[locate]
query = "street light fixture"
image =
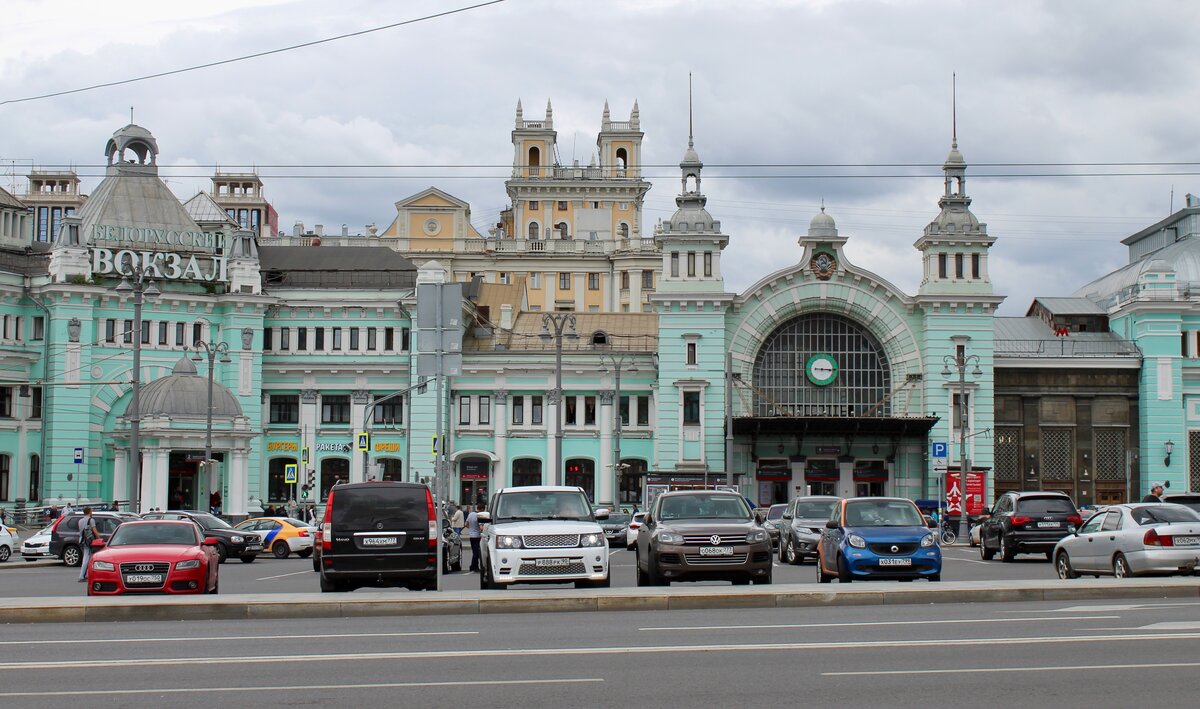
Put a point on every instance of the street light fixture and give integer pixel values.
(618, 362)
(960, 363)
(136, 283)
(560, 321)
(210, 351)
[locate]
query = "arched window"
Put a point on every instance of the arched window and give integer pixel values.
(526, 471)
(390, 469)
(581, 472)
(535, 161)
(533, 231)
(691, 184)
(333, 470)
(561, 228)
(599, 337)
(277, 489)
(623, 230)
(631, 481)
(35, 478)
(622, 159)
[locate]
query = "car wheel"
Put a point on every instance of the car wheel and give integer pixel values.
(328, 585)
(280, 550)
(984, 553)
(316, 566)
(304, 553)
(653, 578)
(1007, 553)
(1063, 566)
(5, 552)
(247, 559)
(843, 570)
(762, 580)
(72, 555)
(822, 577)
(1121, 568)
(222, 553)
(789, 553)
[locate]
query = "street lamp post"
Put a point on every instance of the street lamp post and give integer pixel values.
(211, 351)
(559, 321)
(136, 283)
(960, 363)
(617, 362)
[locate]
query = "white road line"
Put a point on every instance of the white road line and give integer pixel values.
(971, 621)
(508, 653)
(300, 687)
(989, 670)
(1108, 608)
(243, 638)
(294, 573)
(969, 561)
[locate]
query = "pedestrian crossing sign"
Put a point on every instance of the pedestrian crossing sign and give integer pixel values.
(290, 474)
(364, 442)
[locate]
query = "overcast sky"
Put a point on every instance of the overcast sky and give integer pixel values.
(776, 83)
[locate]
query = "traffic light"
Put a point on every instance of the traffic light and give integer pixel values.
(304, 492)
(312, 478)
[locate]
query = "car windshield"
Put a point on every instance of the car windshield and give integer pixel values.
(562, 504)
(1191, 501)
(815, 510)
(1045, 506)
(883, 513)
(295, 522)
(708, 506)
(1159, 513)
(128, 534)
(776, 511)
(617, 520)
(210, 522)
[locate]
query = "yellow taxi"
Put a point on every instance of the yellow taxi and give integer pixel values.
(281, 536)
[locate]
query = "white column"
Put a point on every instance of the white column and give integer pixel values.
(157, 471)
(358, 409)
(499, 478)
(308, 426)
(607, 471)
(579, 280)
(635, 291)
(236, 500)
(549, 475)
(121, 474)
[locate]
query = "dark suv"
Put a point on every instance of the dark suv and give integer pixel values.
(64, 534)
(378, 534)
(1027, 523)
(233, 542)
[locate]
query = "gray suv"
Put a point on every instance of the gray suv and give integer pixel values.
(801, 527)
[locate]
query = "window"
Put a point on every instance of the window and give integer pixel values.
(589, 411)
(127, 332)
(302, 339)
(535, 411)
(518, 410)
(485, 410)
(643, 411)
(285, 339)
(533, 204)
(593, 281)
(268, 339)
(319, 339)
(162, 333)
(6, 402)
(708, 263)
(647, 279)
(179, 328)
(533, 231)
(145, 332)
(464, 410)
(624, 280)
(623, 228)
(389, 338)
(623, 410)
(942, 265)
(337, 338)
(974, 265)
(35, 402)
(562, 206)
(372, 338)
(354, 338)
(335, 408)
(197, 332)
(691, 354)
(4, 473)
(958, 265)
(285, 408)
(390, 412)
(535, 280)
(691, 263)
(564, 281)
(35, 477)
(570, 411)
(691, 408)
(405, 333)
(561, 228)
(505, 279)
(39, 328)
(674, 264)
(595, 205)
(110, 330)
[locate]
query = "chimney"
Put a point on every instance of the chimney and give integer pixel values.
(319, 229)
(506, 317)
(298, 230)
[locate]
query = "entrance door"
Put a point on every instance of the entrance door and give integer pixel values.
(182, 482)
(473, 474)
(473, 492)
(1107, 495)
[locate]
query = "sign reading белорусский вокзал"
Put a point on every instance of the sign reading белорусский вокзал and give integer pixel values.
(168, 253)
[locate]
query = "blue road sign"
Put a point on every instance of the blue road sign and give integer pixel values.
(938, 449)
(78, 456)
(290, 474)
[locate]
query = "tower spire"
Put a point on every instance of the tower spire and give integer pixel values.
(953, 109)
(690, 144)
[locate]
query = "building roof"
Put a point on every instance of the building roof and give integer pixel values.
(134, 200)
(8, 200)
(184, 394)
(1068, 306)
(374, 266)
(600, 332)
(204, 210)
(1183, 257)
(1031, 337)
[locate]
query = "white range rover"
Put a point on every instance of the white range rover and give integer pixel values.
(543, 534)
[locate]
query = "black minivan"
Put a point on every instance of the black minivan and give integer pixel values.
(379, 534)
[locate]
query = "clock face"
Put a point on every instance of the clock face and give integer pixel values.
(821, 369)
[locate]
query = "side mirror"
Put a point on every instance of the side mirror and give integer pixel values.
(211, 542)
(484, 516)
(787, 517)
(831, 525)
(97, 544)
(601, 513)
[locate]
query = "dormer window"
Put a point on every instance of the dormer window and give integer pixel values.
(599, 337)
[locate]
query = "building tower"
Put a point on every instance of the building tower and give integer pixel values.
(53, 194)
(240, 194)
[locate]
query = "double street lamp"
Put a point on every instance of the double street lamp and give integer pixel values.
(959, 363)
(210, 351)
(617, 362)
(560, 322)
(136, 282)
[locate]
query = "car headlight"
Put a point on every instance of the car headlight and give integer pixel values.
(670, 538)
(508, 541)
(594, 539)
(191, 564)
(927, 540)
(857, 541)
(237, 540)
(103, 566)
(756, 535)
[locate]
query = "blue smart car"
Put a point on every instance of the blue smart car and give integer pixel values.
(877, 538)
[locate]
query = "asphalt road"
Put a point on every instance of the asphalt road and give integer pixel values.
(1136, 653)
(270, 575)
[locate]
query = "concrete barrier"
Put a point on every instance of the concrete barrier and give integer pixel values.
(366, 604)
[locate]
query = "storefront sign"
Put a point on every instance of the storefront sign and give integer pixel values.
(474, 469)
(829, 450)
(169, 254)
(334, 447)
(387, 447)
(974, 492)
(276, 446)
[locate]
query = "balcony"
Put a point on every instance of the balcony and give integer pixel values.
(558, 172)
(554, 247)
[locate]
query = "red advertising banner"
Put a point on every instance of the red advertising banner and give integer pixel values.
(975, 490)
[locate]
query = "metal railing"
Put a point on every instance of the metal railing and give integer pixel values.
(533, 343)
(1065, 347)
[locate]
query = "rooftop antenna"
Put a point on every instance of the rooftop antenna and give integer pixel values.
(131, 115)
(690, 110)
(953, 110)
(1172, 210)
(574, 138)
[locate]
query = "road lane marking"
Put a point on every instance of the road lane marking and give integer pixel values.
(969, 561)
(1109, 608)
(301, 687)
(971, 621)
(294, 573)
(989, 670)
(508, 653)
(226, 638)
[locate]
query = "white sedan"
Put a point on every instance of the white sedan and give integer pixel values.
(631, 532)
(8, 542)
(1132, 539)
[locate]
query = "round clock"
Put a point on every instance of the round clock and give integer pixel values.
(821, 369)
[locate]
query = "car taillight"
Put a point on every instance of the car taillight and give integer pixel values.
(1018, 520)
(1075, 520)
(326, 525)
(1152, 539)
(433, 521)
(304, 532)
(634, 525)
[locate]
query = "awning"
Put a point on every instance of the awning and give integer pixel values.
(834, 425)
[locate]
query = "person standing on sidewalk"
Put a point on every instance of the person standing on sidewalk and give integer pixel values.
(457, 520)
(87, 534)
(473, 532)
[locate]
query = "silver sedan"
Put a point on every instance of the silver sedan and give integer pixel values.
(1132, 539)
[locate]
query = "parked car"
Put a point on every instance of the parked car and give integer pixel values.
(232, 542)
(1130, 540)
(615, 529)
(64, 533)
(380, 533)
(1027, 523)
(801, 527)
(543, 534)
(631, 531)
(281, 536)
(877, 538)
(1187, 499)
(8, 542)
(154, 557)
(37, 545)
(771, 523)
(692, 535)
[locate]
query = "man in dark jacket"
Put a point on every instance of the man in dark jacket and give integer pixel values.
(1156, 491)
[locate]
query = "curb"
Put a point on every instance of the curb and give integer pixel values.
(373, 604)
(16, 562)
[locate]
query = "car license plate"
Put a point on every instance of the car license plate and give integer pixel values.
(1049, 524)
(716, 551)
(144, 578)
(1187, 541)
(551, 562)
(378, 541)
(896, 562)
(254, 547)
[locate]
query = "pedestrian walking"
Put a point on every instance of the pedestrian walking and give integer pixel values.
(458, 520)
(473, 532)
(291, 507)
(87, 534)
(1156, 491)
(214, 502)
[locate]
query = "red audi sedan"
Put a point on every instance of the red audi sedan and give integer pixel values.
(154, 557)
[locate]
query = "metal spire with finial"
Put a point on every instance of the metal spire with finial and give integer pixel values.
(690, 144)
(953, 109)
(131, 115)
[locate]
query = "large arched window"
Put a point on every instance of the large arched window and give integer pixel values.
(622, 160)
(277, 489)
(526, 471)
(535, 161)
(533, 231)
(333, 470)
(851, 379)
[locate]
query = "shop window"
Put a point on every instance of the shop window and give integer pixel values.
(391, 469)
(581, 472)
(526, 471)
(334, 471)
(277, 489)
